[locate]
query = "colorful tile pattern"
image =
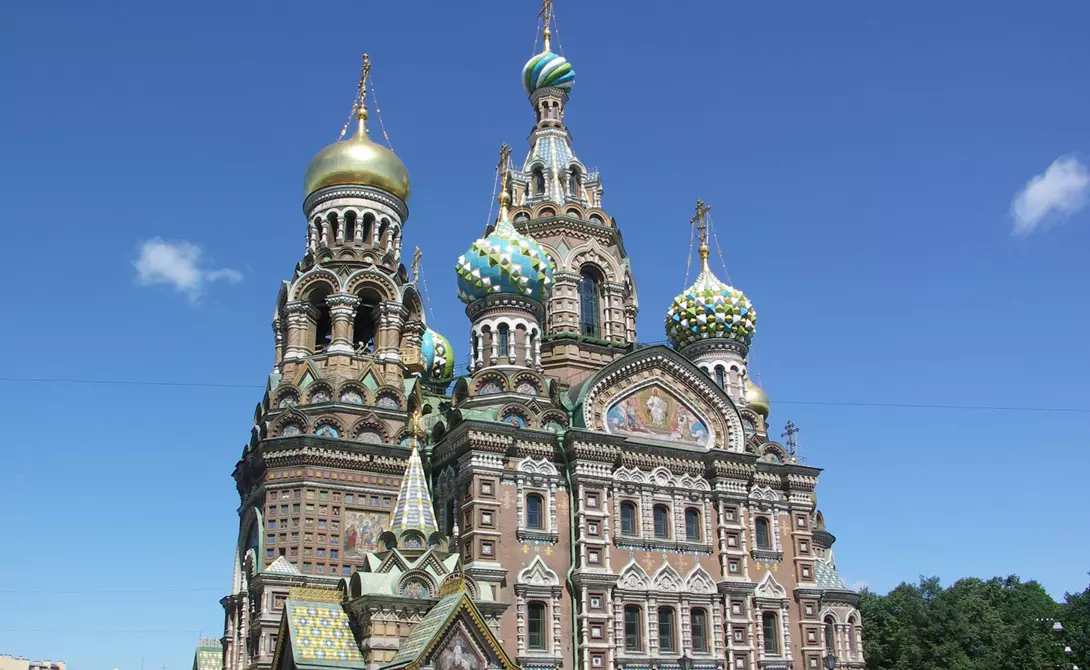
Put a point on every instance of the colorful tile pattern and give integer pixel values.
(209, 655)
(547, 69)
(438, 356)
(709, 308)
(504, 262)
(413, 508)
(321, 635)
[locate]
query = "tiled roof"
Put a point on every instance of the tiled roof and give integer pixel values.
(828, 578)
(421, 635)
(281, 566)
(413, 508)
(321, 636)
(209, 655)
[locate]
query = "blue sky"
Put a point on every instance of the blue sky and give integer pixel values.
(864, 163)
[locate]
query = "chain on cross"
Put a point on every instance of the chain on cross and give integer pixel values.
(417, 255)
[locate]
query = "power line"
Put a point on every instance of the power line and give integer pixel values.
(826, 403)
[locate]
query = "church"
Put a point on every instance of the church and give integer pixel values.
(564, 497)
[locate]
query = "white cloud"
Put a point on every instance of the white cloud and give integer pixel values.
(177, 263)
(1059, 192)
(860, 585)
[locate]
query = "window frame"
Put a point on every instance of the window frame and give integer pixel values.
(590, 303)
(542, 608)
(770, 618)
(667, 621)
(635, 532)
(703, 647)
(540, 500)
(767, 535)
(633, 640)
(698, 525)
(665, 511)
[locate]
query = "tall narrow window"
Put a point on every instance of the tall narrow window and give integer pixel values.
(692, 525)
(830, 635)
(349, 227)
(699, 620)
(633, 628)
(505, 339)
(539, 181)
(720, 378)
(764, 538)
(770, 627)
(667, 642)
(536, 626)
(588, 303)
(450, 517)
(662, 522)
(534, 519)
(628, 518)
(851, 635)
(573, 183)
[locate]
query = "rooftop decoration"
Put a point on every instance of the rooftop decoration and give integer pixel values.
(546, 68)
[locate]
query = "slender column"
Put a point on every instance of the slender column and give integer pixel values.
(302, 318)
(388, 338)
(342, 312)
(326, 236)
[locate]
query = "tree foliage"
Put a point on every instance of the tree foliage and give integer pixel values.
(998, 624)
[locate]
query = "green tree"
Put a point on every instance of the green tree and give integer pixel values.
(1075, 617)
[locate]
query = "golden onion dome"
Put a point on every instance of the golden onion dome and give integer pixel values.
(357, 161)
(757, 399)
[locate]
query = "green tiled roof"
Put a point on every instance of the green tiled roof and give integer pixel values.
(321, 636)
(414, 646)
(209, 655)
(828, 578)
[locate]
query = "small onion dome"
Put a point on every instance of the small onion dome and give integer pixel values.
(504, 262)
(757, 399)
(357, 161)
(707, 309)
(438, 356)
(547, 69)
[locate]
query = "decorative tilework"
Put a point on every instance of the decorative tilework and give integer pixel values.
(709, 308)
(321, 635)
(547, 69)
(504, 262)
(438, 355)
(414, 500)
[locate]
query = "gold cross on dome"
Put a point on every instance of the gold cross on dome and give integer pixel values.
(366, 71)
(699, 220)
(417, 255)
(546, 9)
(505, 159)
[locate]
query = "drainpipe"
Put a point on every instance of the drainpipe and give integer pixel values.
(571, 543)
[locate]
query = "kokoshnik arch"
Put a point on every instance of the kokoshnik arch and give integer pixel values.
(570, 499)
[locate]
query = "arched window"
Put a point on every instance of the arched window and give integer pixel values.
(504, 339)
(692, 524)
(368, 227)
(662, 521)
(589, 289)
(573, 183)
(535, 626)
(534, 517)
(764, 538)
(363, 327)
(633, 628)
(450, 517)
(349, 227)
(771, 627)
(628, 518)
(720, 377)
(667, 638)
(699, 620)
(539, 181)
(323, 332)
(851, 634)
(830, 635)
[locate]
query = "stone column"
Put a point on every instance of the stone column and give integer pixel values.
(412, 342)
(388, 334)
(278, 336)
(342, 313)
(302, 320)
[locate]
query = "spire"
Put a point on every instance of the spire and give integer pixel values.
(546, 13)
(503, 223)
(702, 227)
(414, 510)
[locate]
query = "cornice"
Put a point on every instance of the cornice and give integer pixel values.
(362, 192)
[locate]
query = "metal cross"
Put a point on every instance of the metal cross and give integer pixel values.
(790, 433)
(546, 9)
(363, 78)
(699, 220)
(505, 158)
(417, 255)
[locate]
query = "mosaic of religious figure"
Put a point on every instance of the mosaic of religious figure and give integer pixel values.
(654, 413)
(458, 655)
(362, 530)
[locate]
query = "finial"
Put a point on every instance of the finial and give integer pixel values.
(547, 14)
(417, 426)
(505, 197)
(361, 107)
(417, 255)
(790, 436)
(702, 227)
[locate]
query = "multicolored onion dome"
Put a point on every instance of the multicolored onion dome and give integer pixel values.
(708, 309)
(438, 356)
(547, 69)
(504, 262)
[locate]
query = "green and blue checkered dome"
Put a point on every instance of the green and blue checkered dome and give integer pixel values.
(547, 69)
(505, 262)
(710, 309)
(438, 356)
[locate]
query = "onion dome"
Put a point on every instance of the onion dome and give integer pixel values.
(357, 161)
(438, 356)
(547, 69)
(709, 309)
(505, 262)
(757, 399)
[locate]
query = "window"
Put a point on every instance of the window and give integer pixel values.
(633, 628)
(536, 626)
(720, 381)
(573, 183)
(534, 518)
(662, 521)
(699, 619)
(851, 635)
(692, 525)
(830, 635)
(504, 339)
(666, 630)
(770, 627)
(628, 518)
(764, 538)
(539, 181)
(588, 304)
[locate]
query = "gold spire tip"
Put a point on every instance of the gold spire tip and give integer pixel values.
(701, 223)
(546, 13)
(502, 165)
(361, 106)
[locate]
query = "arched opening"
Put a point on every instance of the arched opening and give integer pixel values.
(364, 325)
(535, 625)
(699, 624)
(662, 521)
(534, 517)
(830, 635)
(539, 181)
(323, 331)
(633, 628)
(335, 230)
(764, 537)
(589, 292)
(720, 377)
(771, 628)
(851, 635)
(350, 227)
(628, 518)
(504, 340)
(368, 228)
(692, 524)
(573, 183)
(450, 517)
(384, 234)
(667, 637)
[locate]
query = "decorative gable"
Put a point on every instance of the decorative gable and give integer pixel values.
(770, 589)
(538, 574)
(633, 578)
(452, 636)
(699, 581)
(667, 579)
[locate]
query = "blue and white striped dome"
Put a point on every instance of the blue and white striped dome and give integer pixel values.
(547, 69)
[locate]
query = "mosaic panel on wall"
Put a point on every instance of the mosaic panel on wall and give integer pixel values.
(458, 655)
(362, 530)
(653, 412)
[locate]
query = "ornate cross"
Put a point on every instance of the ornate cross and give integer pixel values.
(505, 158)
(547, 14)
(699, 220)
(790, 433)
(363, 79)
(417, 255)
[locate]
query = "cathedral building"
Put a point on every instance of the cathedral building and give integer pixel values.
(569, 498)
